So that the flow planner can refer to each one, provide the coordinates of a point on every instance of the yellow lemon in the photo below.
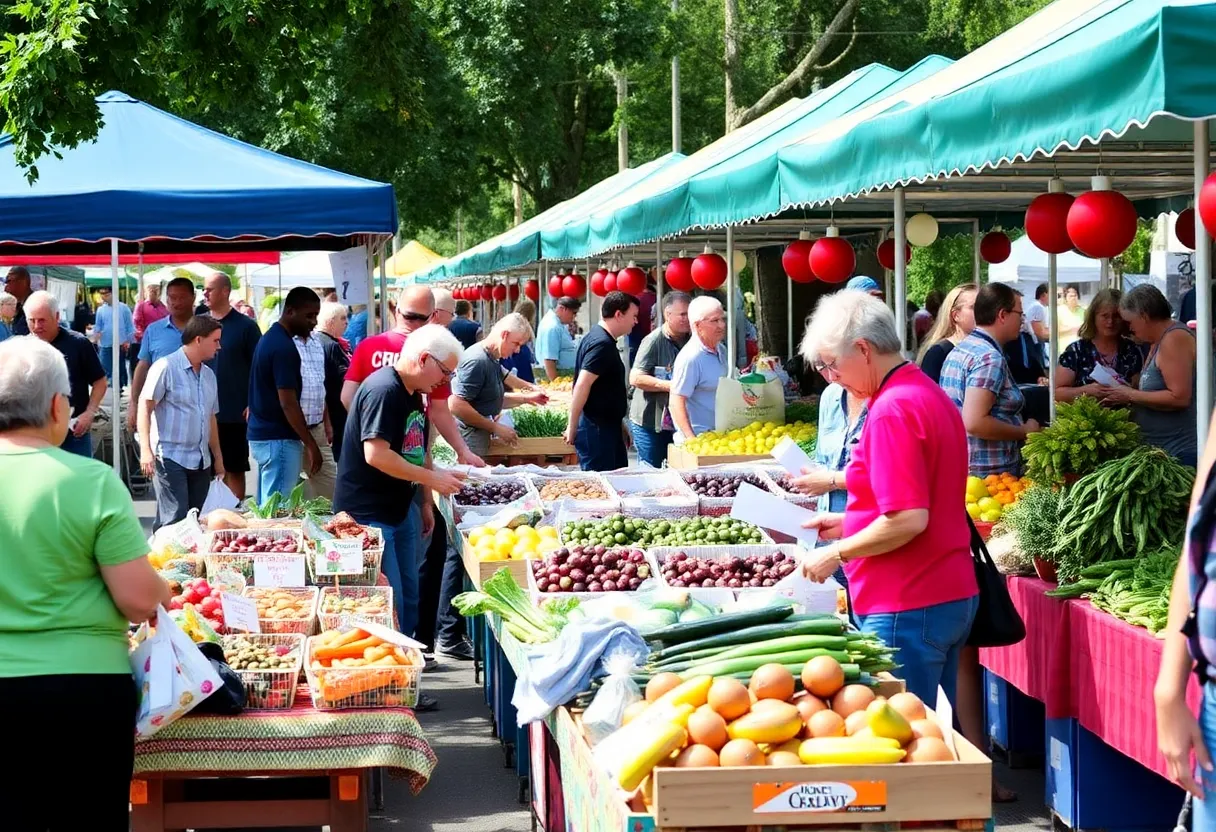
(548, 531)
(504, 535)
(974, 510)
(476, 535)
(521, 551)
(988, 504)
(546, 545)
(526, 533)
(991, 516)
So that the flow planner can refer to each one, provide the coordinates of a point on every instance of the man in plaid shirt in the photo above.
(977, 379)
(316, 414)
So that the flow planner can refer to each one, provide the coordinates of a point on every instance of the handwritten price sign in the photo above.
(339, 557)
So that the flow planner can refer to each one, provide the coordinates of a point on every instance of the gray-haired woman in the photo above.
(903, 539)
(8, 311)
(75, 573)
(1164, 404)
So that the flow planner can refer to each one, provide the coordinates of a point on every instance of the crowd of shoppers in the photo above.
(650, 419)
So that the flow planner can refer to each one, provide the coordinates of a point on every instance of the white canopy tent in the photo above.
(310, 268)
(1027, 264)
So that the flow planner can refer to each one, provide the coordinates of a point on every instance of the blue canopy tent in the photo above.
(154, 183)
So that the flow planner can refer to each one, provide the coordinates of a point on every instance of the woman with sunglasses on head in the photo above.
(955, 321)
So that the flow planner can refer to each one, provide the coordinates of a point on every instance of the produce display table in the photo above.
(336, 748)
(1114, 669)
(1039, 664)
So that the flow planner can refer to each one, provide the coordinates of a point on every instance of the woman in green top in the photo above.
(73, 572)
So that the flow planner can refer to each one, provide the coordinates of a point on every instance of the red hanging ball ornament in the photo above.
(513, 291)
(597, 283)
(886, 253)
(1207, 205)
(555, 286)
(1102, 223)
(995, 247)
(631, 280)
(796, 260)
(499, 293)
(709, 271)
(609, 282)
(573, 286)
(487, 291)
(1047, 222)
(832, 259)
(1184, 227)
(679, 274)
(532, 291)
(462, 292)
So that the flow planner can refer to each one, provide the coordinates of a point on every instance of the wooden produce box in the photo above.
(479, 570)
(937, 796)
(541, 450)
(677, 457)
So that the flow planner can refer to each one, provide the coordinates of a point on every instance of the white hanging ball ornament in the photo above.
(921, 230)
(739, 259)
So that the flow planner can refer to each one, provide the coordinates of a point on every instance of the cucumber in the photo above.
(687, 631)
(1101, 570)
(740, 663)
(689, 657)
(784, 644)
(696, 613)
(793, 625)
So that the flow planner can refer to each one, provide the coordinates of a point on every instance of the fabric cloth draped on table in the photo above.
(1040, 664)
(299, 739)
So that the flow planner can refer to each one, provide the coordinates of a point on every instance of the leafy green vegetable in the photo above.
(1083, 436)
(1128, 507)
(802, 412)
(503, 596)
(533, 422)
(442, 452)
(1033, 519)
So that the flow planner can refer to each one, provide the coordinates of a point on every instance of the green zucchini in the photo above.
(687, 631)
(784, 644)
(795, 625)
(1101, 570)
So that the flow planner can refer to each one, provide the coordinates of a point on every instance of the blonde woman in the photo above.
(954, 322)
(521, 362)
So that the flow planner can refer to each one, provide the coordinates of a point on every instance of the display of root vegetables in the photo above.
(572, 489)
(252, 542)
(683, 570)
(591, 569)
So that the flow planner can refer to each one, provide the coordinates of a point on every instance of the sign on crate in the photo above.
(340, 557)
(821, 796)
(280, 570)
(240, 613)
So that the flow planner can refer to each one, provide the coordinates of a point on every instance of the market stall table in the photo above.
(337, 748)
(1039, 665)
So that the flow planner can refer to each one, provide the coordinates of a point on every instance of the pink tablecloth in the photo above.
(1114, 668)
(1039, 665)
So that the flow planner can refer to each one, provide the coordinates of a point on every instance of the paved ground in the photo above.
(473, 791)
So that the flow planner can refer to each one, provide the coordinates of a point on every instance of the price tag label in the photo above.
(240, 613)
(340, 557)
(278, 570)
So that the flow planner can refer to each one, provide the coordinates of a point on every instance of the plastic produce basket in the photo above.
(242, 562)
(270, 689)
(718, 506)
(333, 621)
(459, 510)
(608, 504)
(282, 598)
(631, 488)
(538, 596)
(369, 687)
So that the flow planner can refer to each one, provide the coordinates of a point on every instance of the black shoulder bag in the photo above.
(997, 621)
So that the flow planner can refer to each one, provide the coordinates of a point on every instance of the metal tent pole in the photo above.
(115, 358)
(658, 281)
(384, 283)
(901, 271)
(789, 316)
(1203, 293)
(976, 272)
(731, 342)
(1053, 341)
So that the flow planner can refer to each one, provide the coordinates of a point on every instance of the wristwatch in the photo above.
(832, 482)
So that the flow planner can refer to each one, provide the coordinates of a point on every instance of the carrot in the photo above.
(378, 652)
(349, 650)
(384, 661)
(336, 687)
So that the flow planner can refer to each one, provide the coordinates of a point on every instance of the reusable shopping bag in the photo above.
(172, 675)
(738, 403)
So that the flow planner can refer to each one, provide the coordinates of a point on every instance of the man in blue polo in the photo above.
(113, 329)
(163, 338)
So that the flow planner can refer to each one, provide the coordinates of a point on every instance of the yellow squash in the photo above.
(850, 751)
(776, 723)
(885, 721)
(661, 745)
(694, 691)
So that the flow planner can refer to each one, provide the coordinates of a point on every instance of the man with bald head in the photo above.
(17, 284)
(85, 373)
(239, 336)
(445, 307)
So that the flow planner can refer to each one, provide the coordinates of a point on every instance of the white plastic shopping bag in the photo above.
(172, 675)
(219, 496)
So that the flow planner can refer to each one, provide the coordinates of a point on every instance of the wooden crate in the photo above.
(944, 795)
(677, 457)
(542, 451)
(479, 570)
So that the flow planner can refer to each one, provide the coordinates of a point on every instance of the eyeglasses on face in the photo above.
(446, 372)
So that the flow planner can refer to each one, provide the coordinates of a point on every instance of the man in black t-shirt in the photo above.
(85, 373)
(597, 427)
(386, 456)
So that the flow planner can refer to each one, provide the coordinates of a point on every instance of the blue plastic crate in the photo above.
(1092, 786)
(1015, 721)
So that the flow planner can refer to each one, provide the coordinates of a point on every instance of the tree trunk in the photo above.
(770, 302)
(731, 61)
(517, 196)
(622, 130)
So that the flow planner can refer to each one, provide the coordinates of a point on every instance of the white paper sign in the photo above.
(340, 557)
(791, 457)
(350, 273)
(240, 613)
(279, 570)
(1104, 376)
(812, 597)
(760, 508)
(945, 720)
(388, 634)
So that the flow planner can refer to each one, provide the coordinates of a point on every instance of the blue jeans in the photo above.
(279, 462)
(400, 565)
(600, 447)
(107, 363)
(929, 641)
(81, 446)
(1204, 811)
(651, 444)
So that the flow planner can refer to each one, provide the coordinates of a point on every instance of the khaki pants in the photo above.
(322, 483)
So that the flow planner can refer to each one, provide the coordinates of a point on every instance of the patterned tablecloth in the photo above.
(1039, 665)
(299, 739)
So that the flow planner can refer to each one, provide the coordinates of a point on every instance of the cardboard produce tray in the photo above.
(479, 570)
(677, 457)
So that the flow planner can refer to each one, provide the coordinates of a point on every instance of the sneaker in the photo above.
(426, 704)
(462, 650)
(429, 662)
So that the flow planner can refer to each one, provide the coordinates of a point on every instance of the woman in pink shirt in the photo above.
(903, 538)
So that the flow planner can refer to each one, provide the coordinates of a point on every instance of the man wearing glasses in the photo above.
(978, 380)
